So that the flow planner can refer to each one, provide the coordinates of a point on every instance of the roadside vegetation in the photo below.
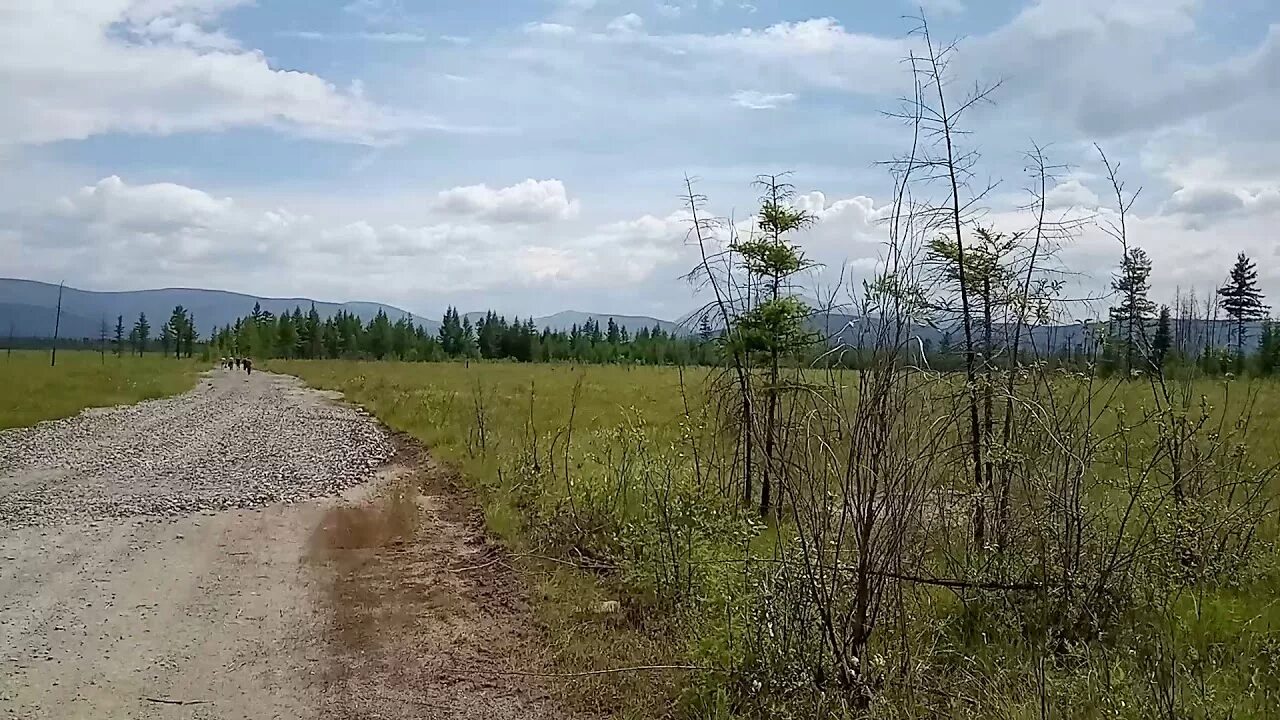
(32, 391)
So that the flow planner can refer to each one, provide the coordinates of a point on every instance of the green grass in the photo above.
(1233, 631)
(31, 391)
(436, 403)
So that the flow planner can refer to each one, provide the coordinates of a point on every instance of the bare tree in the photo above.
(57, 323)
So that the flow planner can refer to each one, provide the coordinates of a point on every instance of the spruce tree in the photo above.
(1268, 356)
(119, 335)
(189, 334)
(1131, 316)
(142, 329)
(704, 328)
(776, 328)
(1162, 340)
(175, 330)
(1241, 299)
(166, 338)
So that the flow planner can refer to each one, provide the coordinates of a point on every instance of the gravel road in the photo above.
(235, 441)
(199, 557)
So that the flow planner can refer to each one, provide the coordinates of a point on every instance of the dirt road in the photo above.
(193, 558)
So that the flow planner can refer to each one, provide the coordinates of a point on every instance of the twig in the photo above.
(588, 673)
(167, 701)
(569, 563)
(469, 568)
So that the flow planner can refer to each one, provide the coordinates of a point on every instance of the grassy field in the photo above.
(606, 469)
(32, 391)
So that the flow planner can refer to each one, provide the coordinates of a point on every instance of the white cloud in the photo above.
(669, 10)
(530, 201)
(756, 100)
(1070, 194)
(114, 233)
(815, 53)
(548, 28)
(626, 24)
(157, 208)
(1201, 206)
(77, 68)
(395, 38)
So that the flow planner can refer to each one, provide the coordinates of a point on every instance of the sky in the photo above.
(529, 155)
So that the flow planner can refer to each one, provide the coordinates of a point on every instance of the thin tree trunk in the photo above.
(970, 374)
(57, 323)
(1002, 508)
(739, 363)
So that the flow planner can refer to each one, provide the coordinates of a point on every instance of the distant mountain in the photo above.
(30, 307)
(1192, 334)
(21, 320)
(566, 319)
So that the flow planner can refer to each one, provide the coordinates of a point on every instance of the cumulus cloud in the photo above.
(756, 100)
(1201, 206)
(116, 233)
(818, 52)
(626, 24)
(1070, 194)
(530, 201)
(80, 68)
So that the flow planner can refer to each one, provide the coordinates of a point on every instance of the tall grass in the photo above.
(31, 391)
(613, 472)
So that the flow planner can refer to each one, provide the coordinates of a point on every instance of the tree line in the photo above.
(178, 335)
(306, 335)
(1228, 331)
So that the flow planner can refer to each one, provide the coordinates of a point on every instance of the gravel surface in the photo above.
(381, 601)
(235, 441)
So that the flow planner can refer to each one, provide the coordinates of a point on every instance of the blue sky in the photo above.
(527, 155)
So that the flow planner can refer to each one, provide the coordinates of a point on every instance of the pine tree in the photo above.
(189, 334)
(704, 328)
(379, 334)
(142, 332)
(286, 336)
(776, 327)
(467, 340)
(1162, 340)
(1241, 299)
(1132, 315)
(315, 334)
(175, 330)
(166, 338)
(1268, 358)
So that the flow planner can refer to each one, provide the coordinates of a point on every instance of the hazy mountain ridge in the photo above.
(29, 306)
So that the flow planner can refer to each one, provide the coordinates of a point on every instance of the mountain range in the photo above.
(28, 309)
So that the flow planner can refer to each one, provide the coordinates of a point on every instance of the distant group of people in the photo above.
(238, 363)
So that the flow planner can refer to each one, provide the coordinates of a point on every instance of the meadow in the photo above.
(1132, 573)
(31, 391)
(1104, 597)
